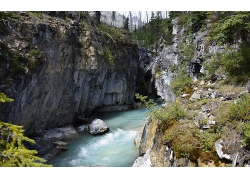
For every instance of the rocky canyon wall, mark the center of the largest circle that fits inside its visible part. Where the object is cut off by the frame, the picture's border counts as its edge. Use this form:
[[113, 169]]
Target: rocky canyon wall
[[72, 78]]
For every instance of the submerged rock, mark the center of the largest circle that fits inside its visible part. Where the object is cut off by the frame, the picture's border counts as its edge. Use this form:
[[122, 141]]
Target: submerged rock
[[98, 126]]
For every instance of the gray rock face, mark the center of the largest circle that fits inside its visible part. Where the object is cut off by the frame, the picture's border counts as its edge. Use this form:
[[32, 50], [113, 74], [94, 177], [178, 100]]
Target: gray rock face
[[219, 150], [98, 126], [167, 57], [74, 78], [143, 138], [248, 86], [143, 161]]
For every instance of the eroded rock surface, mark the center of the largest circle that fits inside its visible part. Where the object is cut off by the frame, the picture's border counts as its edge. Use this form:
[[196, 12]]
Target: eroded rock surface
[[98, 126]]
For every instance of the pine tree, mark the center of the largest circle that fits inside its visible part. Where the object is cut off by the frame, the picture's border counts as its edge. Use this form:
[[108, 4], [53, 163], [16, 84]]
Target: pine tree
[[13, 152], [98, 17], [126, 24], [113, 18]]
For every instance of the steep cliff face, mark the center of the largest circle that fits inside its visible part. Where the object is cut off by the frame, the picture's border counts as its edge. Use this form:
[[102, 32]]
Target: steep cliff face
[[73, 77], [203, 134]]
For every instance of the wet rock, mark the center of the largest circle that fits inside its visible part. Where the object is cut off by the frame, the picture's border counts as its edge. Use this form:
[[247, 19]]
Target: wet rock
[[60, 143], [98, 126], [62, 148], [83, 128], [63, 133]]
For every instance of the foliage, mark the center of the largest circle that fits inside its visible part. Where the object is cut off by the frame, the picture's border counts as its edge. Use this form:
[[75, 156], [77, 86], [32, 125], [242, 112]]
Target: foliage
[[188, 141], [154, 30], [113, 31], [181, 83], [145, 102], [126, 24], [4, 98], [169, 115], [234, 115], [232, 26], [236, 64], [13, 152], [37, 56], [108, 55], [246, 132], [240, 110], [212, 65], [5, 15], [184, 143], [20, 62], [198, 19], [186, 52]]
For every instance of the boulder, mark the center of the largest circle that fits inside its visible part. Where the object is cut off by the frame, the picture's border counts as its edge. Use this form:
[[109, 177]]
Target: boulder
[[63, 133], [98, 126], [195, 96], [219, 150]]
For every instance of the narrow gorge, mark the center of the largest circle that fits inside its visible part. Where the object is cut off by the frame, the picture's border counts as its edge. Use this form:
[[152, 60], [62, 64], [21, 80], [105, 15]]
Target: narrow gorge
[[63, 69]]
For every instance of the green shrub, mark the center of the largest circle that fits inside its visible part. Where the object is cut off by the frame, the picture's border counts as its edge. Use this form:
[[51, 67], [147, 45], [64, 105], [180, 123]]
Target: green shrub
[[13, 153], [212, 65], [207, 140], [181, 82], [111, 30], [18, 65], [4, 98], [169, 115], [187, 52], [108, 55], [239, 111], [246, 132], [37, 54], [145, 102]]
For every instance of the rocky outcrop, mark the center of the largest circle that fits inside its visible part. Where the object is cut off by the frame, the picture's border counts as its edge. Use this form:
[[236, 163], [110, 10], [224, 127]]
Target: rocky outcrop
[[73, 78], [143, 161], [63, 133], [98, 126], [203, 104]]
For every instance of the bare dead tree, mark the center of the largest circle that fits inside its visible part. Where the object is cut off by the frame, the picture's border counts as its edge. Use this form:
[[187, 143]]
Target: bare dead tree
[[139, 20], [147, 16], [113, 18], [131, 21]]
